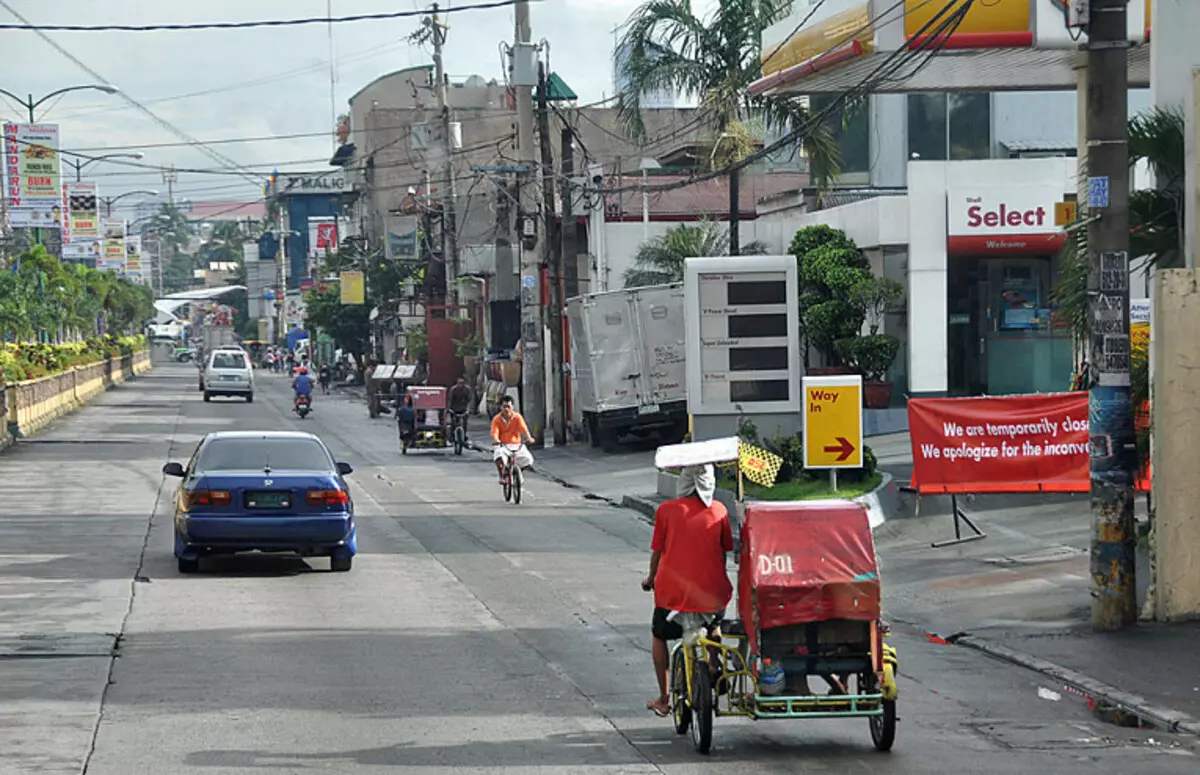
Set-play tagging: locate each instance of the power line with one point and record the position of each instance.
(215, 155)
(250, 25)
(920, 42)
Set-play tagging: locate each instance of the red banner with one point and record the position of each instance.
(1001, 444)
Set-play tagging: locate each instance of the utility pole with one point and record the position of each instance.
(570, 245)
(1110, 410)
(449, 221)
(533, 378)
(169, 177)
(735, 213)
(553, 260)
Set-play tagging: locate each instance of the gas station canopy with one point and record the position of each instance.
(1010, 45)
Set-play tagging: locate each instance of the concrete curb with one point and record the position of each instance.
(1169, 720)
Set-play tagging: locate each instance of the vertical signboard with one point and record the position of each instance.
(112, 257)
(134, 268)
(353, 288)
(32, 184)
(833, 428)
(742, 335)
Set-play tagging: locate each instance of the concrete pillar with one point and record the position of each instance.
(928, 371)
(1176, 419)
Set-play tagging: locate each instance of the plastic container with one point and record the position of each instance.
(771, 678)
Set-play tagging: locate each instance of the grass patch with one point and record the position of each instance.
(805, 489)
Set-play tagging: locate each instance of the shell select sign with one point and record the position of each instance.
(833, 431)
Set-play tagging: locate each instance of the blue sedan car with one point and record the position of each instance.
(247, 491)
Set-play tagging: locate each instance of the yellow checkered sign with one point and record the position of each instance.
(758, 465)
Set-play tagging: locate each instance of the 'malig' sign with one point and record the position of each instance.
(1004, 219)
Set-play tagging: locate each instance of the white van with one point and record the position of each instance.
(228, 372)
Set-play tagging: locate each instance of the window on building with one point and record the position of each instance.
(927, 127)
(851, 127)
(950, 126)
(970, 120)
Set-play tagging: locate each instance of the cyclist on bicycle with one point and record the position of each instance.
(459, 401)
(509, 428)
(687, 566)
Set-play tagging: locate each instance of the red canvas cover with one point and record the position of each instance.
(428, 397)
(806, 562)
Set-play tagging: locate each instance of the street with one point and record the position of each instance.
(471, 635)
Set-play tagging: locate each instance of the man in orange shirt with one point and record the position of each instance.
(687, 566)
(509, 428)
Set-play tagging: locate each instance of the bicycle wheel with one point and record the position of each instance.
(517, 477)
(681, 712)
(702, 707)
(458, 440)
(508, 486)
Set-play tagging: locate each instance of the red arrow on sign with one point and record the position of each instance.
(843, 446)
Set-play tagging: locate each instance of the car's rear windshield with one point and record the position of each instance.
(261, 454)
(228, 360)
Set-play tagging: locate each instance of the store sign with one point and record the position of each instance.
(743, 353)
(1004, 220)
(317, 183)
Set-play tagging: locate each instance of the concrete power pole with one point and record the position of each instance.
(169, 177)
(1113, 462)
(553, 262)
(533, 378)
(449, 221)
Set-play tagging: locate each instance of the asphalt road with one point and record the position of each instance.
(471, 636)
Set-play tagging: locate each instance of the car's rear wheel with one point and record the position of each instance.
(189, 565)
(207, 396)
(341, 563)
(249, 398)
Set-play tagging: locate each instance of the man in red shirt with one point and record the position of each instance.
(687, 566)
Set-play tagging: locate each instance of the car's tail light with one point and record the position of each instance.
(209, 498)
(328, 498)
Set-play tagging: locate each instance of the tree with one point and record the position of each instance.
(661, 259)
(715, 59)
(834, 279)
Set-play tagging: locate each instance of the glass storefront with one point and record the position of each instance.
(1003, 338)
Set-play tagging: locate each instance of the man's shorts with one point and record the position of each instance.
(665, 629)
(524, 458)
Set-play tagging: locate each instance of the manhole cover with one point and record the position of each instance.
(1051, 736)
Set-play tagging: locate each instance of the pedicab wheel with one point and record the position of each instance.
(516, 486)
(702, 708)
(883, 728)
(681, 713)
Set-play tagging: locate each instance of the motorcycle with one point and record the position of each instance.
(302, 406)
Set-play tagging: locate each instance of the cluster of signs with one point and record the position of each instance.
(37, 198)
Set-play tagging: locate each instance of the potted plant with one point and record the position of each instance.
(872, 356)
(468, 349)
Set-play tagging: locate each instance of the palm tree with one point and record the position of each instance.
(1156, 218)
(715, 59)
(661, 259)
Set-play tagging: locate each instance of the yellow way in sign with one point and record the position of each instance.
(833, 426)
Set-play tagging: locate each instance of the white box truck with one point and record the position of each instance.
(627, 363)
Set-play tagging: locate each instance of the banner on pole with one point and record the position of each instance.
(1002, 444)
(353, 288)
(32, 180)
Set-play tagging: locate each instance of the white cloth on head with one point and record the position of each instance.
(524, 457)
(700, 481)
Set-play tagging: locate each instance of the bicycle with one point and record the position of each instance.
(510, 475)
(458, 430)
(695, 683)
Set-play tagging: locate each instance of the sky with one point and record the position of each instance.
(257, 82)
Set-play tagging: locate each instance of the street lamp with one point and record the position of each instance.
(110, 200)
(31, 105)
(78, 165)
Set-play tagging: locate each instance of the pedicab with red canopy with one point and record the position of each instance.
(808, 602)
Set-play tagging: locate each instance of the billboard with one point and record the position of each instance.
(353, 288)
(112, 253)
(31, 175)
(82, 213)
(135, 269)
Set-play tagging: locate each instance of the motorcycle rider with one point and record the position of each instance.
(302, 385)
(325, 376)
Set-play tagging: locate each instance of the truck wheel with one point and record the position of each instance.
(593, 431)
(608, 440)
